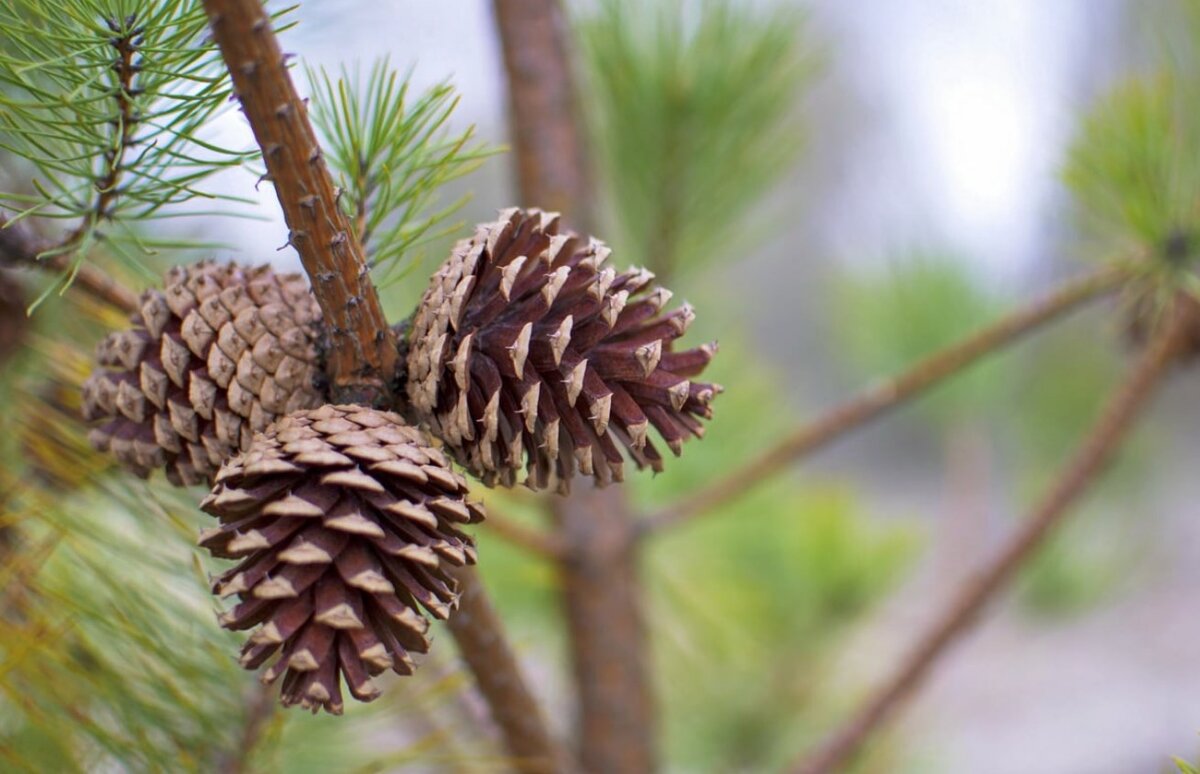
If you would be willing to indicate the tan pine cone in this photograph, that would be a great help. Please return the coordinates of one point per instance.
(343, 519)
(213, 357)
(527, 351)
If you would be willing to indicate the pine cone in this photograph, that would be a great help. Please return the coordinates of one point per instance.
(527, 350)
(213, 357)
(343, 519)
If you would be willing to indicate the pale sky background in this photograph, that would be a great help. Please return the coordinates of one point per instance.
(967, 105)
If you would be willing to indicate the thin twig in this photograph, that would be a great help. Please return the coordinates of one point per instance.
(124, 125)
(536, 541)
(1089, 461)
(479, 633)
(19, 247)
(879, 398)
(362, 356)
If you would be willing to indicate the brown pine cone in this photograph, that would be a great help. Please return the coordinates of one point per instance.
(343, 519)
(527, 350)
(213, 357)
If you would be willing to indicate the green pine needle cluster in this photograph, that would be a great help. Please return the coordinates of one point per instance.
(695, 106)
(1134, 168)
(392, 152)
(105, 102)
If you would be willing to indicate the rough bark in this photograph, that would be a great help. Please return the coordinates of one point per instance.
(362, 354)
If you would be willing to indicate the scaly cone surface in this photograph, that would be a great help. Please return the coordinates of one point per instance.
(528, 352)
(343, 519)
(212, 358)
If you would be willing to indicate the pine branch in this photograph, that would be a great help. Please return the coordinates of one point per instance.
(104, 103)
(124, 42)
(536, 541)
(362, 355)
(602, 602)
(878, 399)
(1088, 463)
(21, 248)
(552, 169)
(600, 591)
(479, 633)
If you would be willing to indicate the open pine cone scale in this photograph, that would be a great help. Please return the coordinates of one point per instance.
(343, 520)
(528, 350)
(210, 359)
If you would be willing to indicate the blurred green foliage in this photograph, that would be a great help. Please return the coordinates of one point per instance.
(920, 303)
(1133, 170)
(1129, 169)
(694, 106)
(751, 603)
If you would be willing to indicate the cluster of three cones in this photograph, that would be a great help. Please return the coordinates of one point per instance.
(526, 352)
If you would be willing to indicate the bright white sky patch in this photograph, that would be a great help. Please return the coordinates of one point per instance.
(976, 97)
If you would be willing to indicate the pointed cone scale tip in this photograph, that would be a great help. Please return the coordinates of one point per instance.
(648, 356)
(518, 351)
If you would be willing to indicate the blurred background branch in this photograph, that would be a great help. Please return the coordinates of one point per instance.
(601, 593)
(1093, 455)
(891, 393)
